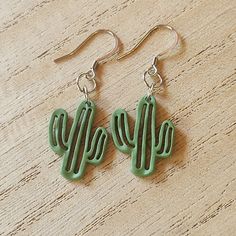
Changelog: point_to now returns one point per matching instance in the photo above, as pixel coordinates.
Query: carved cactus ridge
(77, 146)
(143, 150)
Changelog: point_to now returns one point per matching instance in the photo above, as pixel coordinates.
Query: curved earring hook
(153, 71)
(90, 75)
(100, 60)
(147, 35)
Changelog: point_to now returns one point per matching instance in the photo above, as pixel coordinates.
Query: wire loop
(101, 59)
(140, 42)
(153, 70)
(90, 75)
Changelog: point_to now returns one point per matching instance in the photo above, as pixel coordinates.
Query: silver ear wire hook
(91, 73)
(129, 52)
(152, 71)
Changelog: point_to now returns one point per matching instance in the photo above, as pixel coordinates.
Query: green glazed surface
(77, 146)
(145, 146)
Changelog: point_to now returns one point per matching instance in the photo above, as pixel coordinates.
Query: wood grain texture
(193, 193)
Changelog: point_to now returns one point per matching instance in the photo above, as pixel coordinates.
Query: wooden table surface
(191, 193)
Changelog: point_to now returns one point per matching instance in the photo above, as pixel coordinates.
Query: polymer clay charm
(145, 146)
(77, 146)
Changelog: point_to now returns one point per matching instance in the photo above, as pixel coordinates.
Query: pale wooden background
(193, 193)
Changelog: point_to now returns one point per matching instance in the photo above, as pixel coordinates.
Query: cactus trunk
(144, 147)
(79, 149)
(144, 135)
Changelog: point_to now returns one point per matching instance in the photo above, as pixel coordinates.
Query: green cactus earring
(77, 145)
(144, 145)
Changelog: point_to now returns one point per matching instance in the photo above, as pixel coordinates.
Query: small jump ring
(152, 71)
(91, 79)
(90, 74)
(147, 72)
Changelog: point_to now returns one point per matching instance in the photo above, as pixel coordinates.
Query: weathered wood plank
(193, 193)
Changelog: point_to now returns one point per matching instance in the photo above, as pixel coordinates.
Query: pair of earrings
(80, 147)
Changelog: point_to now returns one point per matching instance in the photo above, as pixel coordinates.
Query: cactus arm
(165, 142)
(57, 131)
(98, 146)
(120, 131)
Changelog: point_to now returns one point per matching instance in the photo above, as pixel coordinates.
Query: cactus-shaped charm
(76, 145)
(144, 146)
